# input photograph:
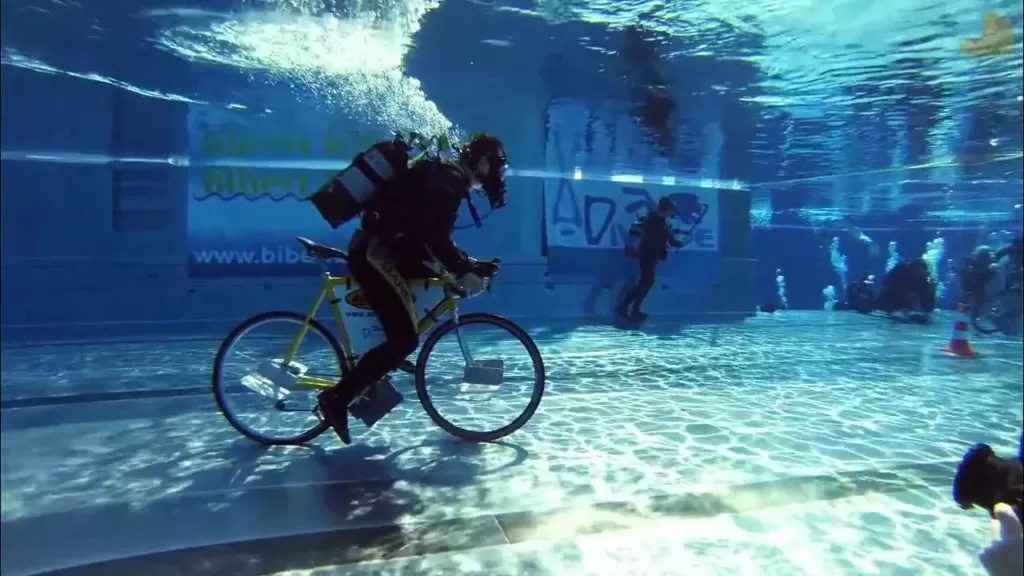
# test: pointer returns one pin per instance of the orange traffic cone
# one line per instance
(958, 345)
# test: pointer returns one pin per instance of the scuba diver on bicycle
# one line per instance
(404, 233)
(1015, 252)
(980, 267)
(976, 272)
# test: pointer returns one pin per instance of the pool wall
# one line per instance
(95, 247)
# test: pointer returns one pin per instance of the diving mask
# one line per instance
(493, 181)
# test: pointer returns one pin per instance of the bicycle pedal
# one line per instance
(378, 405)
(264, 387)
(489, 373)
(274, 379)
(282, 374)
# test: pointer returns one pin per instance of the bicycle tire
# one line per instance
(232, 338)
(420, 379)
(981, 328)
(999, 298)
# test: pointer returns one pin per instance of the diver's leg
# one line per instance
(643, 287)
(628, 291)
(388, 294)
(626, 282)
(979, 297)
(597, 285)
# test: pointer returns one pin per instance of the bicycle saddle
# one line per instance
(320, 251)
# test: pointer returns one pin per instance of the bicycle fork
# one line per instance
(487, 374)
(467, 354)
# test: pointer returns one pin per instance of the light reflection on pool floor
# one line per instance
(789, 445)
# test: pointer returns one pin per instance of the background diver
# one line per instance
(406, 230)
(651, 236)
(907, 287)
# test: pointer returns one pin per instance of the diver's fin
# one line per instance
(996, 37)
(991, 22)
(995, 23)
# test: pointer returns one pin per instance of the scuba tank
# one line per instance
(634, 237)
(446, 150)
(344, 196)
(347, 194)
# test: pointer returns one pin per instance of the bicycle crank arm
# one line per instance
(292, 406)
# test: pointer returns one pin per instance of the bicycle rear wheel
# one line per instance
(999, 313)
(250, 386)
(461, 398)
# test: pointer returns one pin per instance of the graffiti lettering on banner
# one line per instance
(582, 214)
(255, 182)
(211, 142)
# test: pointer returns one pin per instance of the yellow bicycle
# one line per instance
(270, 365)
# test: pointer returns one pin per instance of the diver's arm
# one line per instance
(1002, 253)
(448, 254)
(674, 240)
(666, 236)
(441, 221)
(637, 227)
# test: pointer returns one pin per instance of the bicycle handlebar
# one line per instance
(453, 287)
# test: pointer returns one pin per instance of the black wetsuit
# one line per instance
(977, 273)
(1015, 251)
(907, 286)
(974, 278)
(655, 238)
(860, 296)
(407, 225)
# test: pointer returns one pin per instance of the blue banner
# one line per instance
(256, 257)
(249, 184)
(249, 180)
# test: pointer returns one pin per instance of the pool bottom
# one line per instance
(648, 440)
(886, 534)
(909, 532)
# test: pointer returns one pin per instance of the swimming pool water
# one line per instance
(800, 443)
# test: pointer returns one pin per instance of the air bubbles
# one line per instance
(350, 60)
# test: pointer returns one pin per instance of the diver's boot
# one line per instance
(637, 316)
(334, 406)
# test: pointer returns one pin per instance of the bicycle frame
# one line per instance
(328, 286)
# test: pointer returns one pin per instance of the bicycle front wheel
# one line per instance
(262, 398)
(480, 378)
